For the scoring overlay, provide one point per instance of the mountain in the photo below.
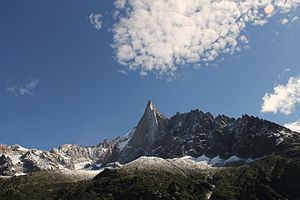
(219, 140)
(197, 133)
(191, 155)
(16, 160)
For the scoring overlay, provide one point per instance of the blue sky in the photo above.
(80, 95)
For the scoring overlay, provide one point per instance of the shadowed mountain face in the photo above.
(196, 133)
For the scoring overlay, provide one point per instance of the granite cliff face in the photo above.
(144, 135)
(195, 134)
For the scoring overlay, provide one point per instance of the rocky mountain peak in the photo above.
(150, 105)
(145, 133)
(151, 113)
(147, 129)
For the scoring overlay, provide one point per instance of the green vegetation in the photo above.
(124, 184)
(271, 178)
(34, 186)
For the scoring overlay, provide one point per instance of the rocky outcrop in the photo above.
(79, 153)
(6, 166)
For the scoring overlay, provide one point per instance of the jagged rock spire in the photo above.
(150, 105)
(147, 127)
(149, 109)
(145, 132)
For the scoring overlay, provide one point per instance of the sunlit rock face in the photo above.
(145, 134)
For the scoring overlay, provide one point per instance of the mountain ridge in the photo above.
(196, 133)
(193, 134)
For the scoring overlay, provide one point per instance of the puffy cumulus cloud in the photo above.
(295, 126)
(159, 36)
(23, 89)
(284, 99)
(96, 20)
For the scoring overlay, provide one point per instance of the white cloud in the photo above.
(295, 18)
(159, 36)
(284, 72)
(290, 19)
(287, 69)
(284, 21)
(244, 39)
(23, 90)
(95, 20)
(295, 126)
(121, 71)
(284, 99)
